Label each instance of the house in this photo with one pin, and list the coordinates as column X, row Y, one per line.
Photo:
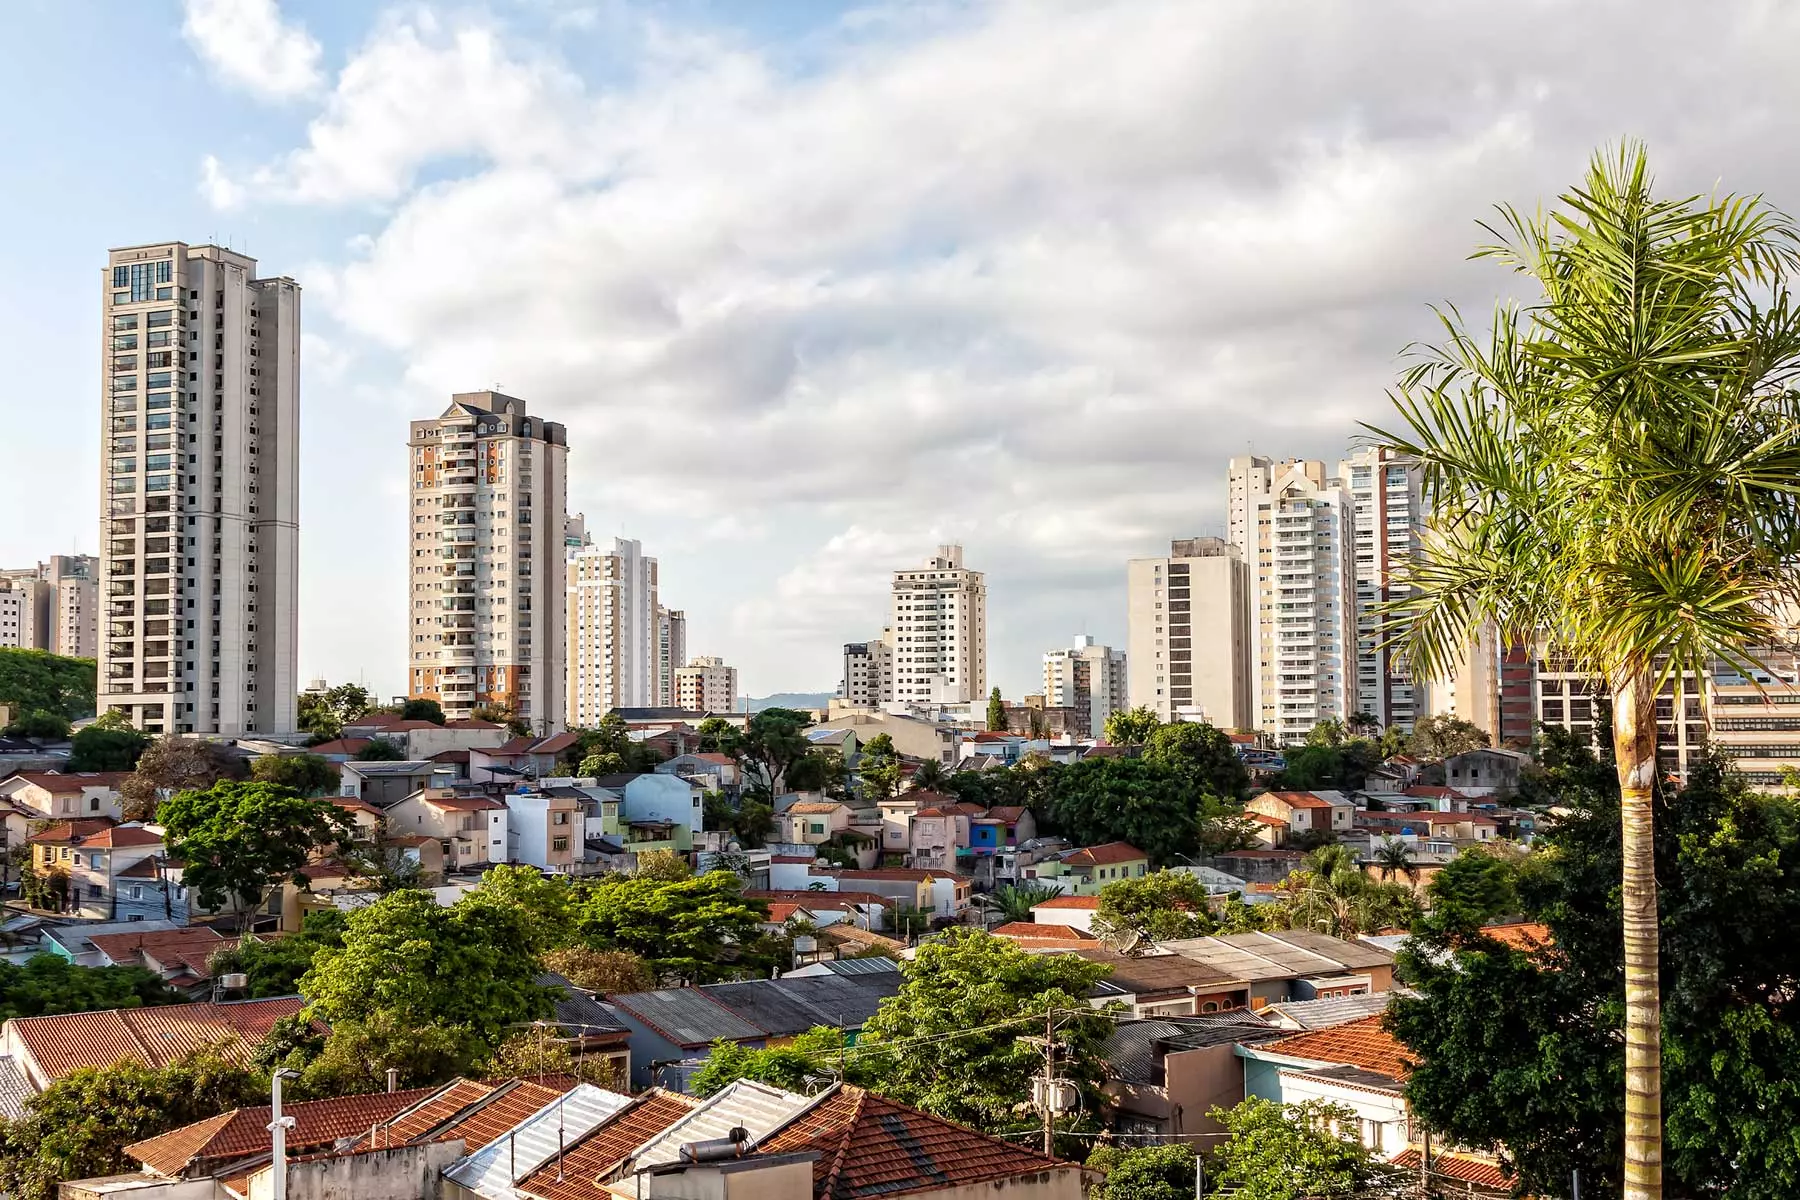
column 179, row 957
column 939, row 835
column 425, row 739
column 673, row 1026
column 1077, row 912
column 1161, row 984
column 941, row 893
column 913, row 737
column 74, row 941
column 1424, row 827
column 546, row 828
column 1291, row 965
column 111, row 872
column 720, row 770
column 998, row 833
column 812, row 823
column 385, row 784
column 1029, row 935
column 1357, row 1064
column 1323, row 812
column 52, row 794
column 48, row 1048
column 1084, row 871
column 1260, row 864
column 653, row 799
column 519, row 759
column 471, row 828
column 1165, row 1074
column 1485, row 771
column 825, row 908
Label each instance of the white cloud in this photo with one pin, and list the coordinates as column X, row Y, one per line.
column 250, row 47
column 1022, row 273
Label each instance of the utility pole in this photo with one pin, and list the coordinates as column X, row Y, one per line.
column 1049, row 1079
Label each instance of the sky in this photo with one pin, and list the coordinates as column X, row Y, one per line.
column 817, row 286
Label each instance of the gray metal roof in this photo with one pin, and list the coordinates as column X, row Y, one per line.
column 756, row 1107
column 1361, row 1076
column 1323, row 1014
column 1136, row 1049
column 579, row 1010
column 784, row 1007
column 515, row 1154
column 686, row 1016
column 862, row 966
column 1355, row 955
column 1292, row 956
column 1233, row 961
column 14, row 1091
column 848, row 1002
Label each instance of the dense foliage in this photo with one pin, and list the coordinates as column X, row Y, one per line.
column 792, row 1065
column 307, row 774
column 1303, row 1151
column 1153, row 1172
column 38, row 681
column 109, row 743
column 174, row 764
column 324, row 714
column 49, row 983
column 240, row 839
column 696, row 930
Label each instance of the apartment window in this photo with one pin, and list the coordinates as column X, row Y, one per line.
column 559, row 844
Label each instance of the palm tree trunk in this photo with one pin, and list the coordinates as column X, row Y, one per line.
column 1634, row 746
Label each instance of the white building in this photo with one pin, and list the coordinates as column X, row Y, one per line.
column 613, row 629
column 706, row 684
column 671, row 652
column 869, row 672
column 940, row 631
column 1088, row 678
column 1188, row 634
column 200, row 493
column 1389, row 527
column 486, row 615
column 57, row 603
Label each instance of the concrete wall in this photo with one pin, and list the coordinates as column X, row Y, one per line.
column 403, row 1173
column 656, row 797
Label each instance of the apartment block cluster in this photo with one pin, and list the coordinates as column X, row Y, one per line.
column 54, row 606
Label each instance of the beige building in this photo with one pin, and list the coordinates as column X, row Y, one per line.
column 706, row 684
column 486, row 610
column 1089, row 679
column 940, row 631
column 614, row 634
column 868, row 672
column 53, row 606
column 200, row 491
column 671, row 652
column 1188, row 634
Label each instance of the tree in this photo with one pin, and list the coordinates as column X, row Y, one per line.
column 717, row 736
column 422, row 708
column 930, row 776
column 1343, row 765
column 1546, row 1084
column 356, row 1055
column 307, row 774
column 274, row 967
column 996, row 712
column 240, row 839
column 696, row 930
column 545, row 906
column 1330, row 894
column 79, row 1126
column 1160, row 906
column 48, row 983
column 542, row 1051
column 1201, row 755
column 108, row 744
column 469, row 968
column 1290, row 1151
column 988, row 994
column 1164, row 1172
column 1014, row 901
column 1329, row 733
column 324, row 715
column 1442, row 736
column 1396, row 859
column 601, row 762
column 878, row 770
column 39, row 725
column 771, row 743
column 750, row 821
column 790, row 1066
column 174, row 764
column 609, row 972
column 38, row 681
column 1614, row 465
column 500, row 714
column 380, row 750
column 1125, row 799
column 1131, row 726
column 665, row 866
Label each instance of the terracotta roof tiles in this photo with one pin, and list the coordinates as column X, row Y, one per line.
column 1030, row 931
column 1109, row 854
column 595, row 1156
column 1363, row 1043
column 1303, row 800
column 1088, row 903
column 67, row 1042
column 244, row 1132
column 1458, row 1166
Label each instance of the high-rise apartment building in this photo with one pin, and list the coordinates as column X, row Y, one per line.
column 200, row 492
column 671, row 652
column 1188, row 634
column 869, row 671
column 940, row 631
column 1322, row 549
column 613, row 630
column 1089, row 679
column 57, row 603
column 706, row 685
column 489, row 486
column 1491, row 688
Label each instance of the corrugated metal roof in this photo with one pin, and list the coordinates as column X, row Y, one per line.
column 1323, row 1014
column 1232, row 961
column 756, row 1107
column 686, row 1016
column 862, row 966
column 1136, row 1049
column 1356, row 955
column 1296, row 958
column 14, row 1091
column 509, row 1158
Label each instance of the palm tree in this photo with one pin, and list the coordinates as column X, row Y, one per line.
column 1396, row 859
column 929, row 775
column 1614, row 467
column 1014, row 902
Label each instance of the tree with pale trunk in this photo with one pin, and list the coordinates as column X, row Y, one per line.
column 1613, row 466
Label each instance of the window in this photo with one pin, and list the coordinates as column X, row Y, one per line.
column 559, row 844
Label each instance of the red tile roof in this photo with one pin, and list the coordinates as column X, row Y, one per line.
column 1090, row 903
column 345, row 746
column 556, row 744
column 1010, row 813
column 59, row 783
column 449, row 1100
column 472, row 723
column 461, row 803
column 1362, row 1043
column 718, row 760
column 509, row 1108
column 1520, row 935
column 451, row 756
column 815, row 807
column 1107, row 855
column 792, row 859
column 595, row 1156
column 1031, row 931
column 354, row 804
column 244, row 1132
column 810, row 899
column 62, row 832
column 1302, row 800
column 1266, row 819
column 156, row 1037
column 894, row 874
column 1459, row 1167
column 870, row 1146
column 195, row 944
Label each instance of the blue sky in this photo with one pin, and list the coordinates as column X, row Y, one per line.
column 817, row 286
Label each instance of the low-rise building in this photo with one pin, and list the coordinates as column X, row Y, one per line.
column 546, row 828
column 1291, row 965
column 813, row 823
column 1077, row 912
column 50, row 1048
column 1087, row 869
column 182, row 958
column 470, row 827
column 1321, row 812
column 54, row 794
column 1166, row 1074
column 109, row 872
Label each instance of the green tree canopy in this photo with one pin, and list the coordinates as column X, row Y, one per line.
column 240, row 839
column 996, row 712
column 39, row 725
column 1131, row 800
column 544, row 906
column 356, row 1055
column 1160, row 906
column 696, row 930
column 1155, row 1172
column 49, row 983
column 609, row 972
column 1200, row 754
column 789, row 1066
column 79, row 1126
column 275, row 965
column 1014, row 901
column 380, row 750
column 1442, row 736
column 308, row 774
column 38, row 681
column 772, row 742
column 325, row 715
column 422, row 708
column 950, row 1043
column 1131, row 726
column 108, row 744
column 1290, row 1152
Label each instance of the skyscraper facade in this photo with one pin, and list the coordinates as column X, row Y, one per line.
column 614, row 633
column 1188, row 634
column 706, row 684
column 485, row 621
column 200, row 494
column 671, row 652
column 940, row 631
column 1089, row 679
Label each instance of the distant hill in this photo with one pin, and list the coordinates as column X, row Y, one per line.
column 788, row 700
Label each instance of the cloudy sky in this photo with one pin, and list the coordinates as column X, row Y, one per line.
column 816, row 286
